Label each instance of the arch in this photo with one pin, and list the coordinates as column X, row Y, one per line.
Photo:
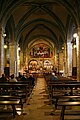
column 36, row 21
column 11, row 5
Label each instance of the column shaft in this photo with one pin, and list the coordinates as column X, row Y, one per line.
column 78, row 55
column 13, row 58
column 74, row 60
column 65, row 61
column 1, row 52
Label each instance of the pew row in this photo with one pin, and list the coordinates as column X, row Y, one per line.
column 14, row 94
column 65, row 104
column 65, row 94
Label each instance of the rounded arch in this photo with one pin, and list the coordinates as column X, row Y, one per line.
column 32, row 64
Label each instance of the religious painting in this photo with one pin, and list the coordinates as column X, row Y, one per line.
column 33, row 65
column 41, row 51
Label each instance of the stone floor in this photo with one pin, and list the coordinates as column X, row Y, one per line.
column 38, row 106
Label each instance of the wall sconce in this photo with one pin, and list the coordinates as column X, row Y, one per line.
column 5, row 46
column 4, row 35
column 74, row 46
column 62, row 48
column 19, row 48
column 75, row 35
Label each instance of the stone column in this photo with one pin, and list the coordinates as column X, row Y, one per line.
column 65, row 60
column 13, row 58
column 21, row 62
column 17, row 59
column 69, row 58
column 21, row 59
column 1, row 52
column 24, row 58
column 78, row 54
column 58, row 61
column 54, row 57
column 27, row 57
column 74, row 58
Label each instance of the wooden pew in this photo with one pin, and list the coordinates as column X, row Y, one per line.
column 7, row 87
column 67, row 103
column 73, row 92
column 59, row 77
column 64, row 97
column 13, row 103
column 63, row 90
column 64, row 87
column 61, row 81
column 12, row 98
column 13, row 94
column 64, row 81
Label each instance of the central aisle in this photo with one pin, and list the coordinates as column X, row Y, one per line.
column 38, row 107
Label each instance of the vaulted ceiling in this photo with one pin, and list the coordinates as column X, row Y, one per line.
column 52, row 20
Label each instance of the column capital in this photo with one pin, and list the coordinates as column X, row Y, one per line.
column 78, row 30
column 2, row 31
column 12, row 44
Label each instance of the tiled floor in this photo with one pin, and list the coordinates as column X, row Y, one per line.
column 38, row 108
